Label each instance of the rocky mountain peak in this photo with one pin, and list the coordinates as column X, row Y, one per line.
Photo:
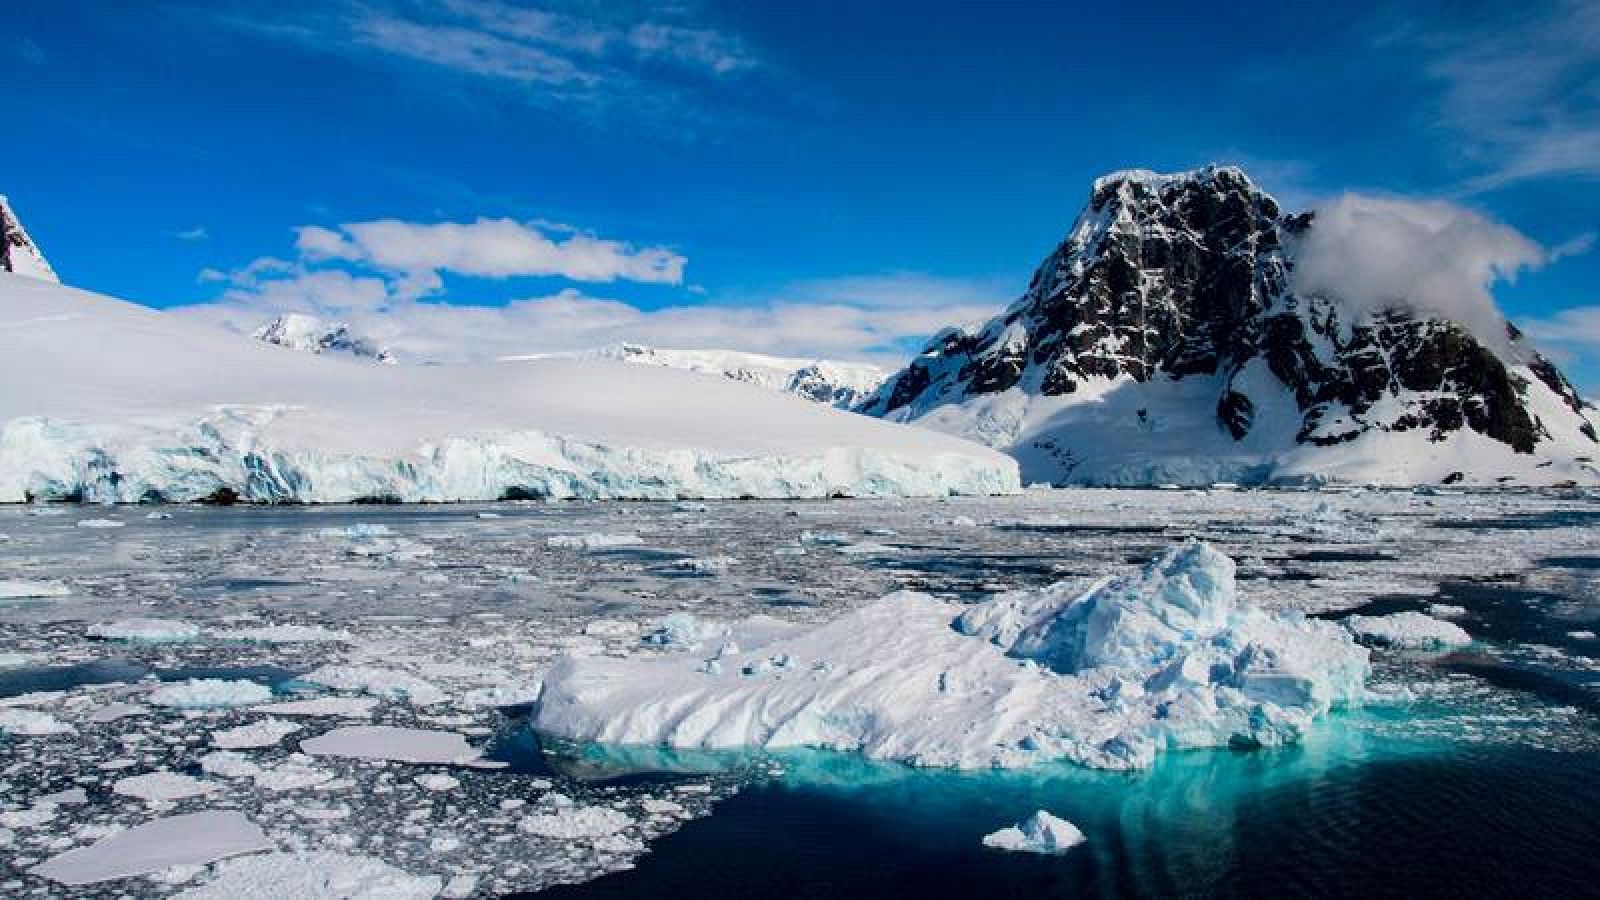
column 1187, row 278
column 18, row 253
column 310, row 334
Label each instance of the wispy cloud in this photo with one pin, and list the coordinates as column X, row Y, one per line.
column 1521, row 91
column 193, row 234
column 31, row 53
column 582, row 58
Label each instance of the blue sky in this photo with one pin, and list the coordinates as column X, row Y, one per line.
column 806, row 177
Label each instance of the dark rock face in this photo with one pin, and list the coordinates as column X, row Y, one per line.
column 1172, row 277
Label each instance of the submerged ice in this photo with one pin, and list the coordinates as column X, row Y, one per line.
column 1108, row 677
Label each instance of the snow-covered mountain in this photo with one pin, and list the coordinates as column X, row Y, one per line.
column 310, row 334
column 113, row 402
column 839, row 384
column 18, row 253
column 1164, row 341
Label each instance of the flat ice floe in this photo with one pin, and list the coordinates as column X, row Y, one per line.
column 387, row 742
column 151, row 630
column 186, row 840
column 1408, row 630
column 16, row 589
column 209, row 693
column 1107, row 677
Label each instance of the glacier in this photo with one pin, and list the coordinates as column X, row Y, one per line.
column 1106, row 677
column 127, row 404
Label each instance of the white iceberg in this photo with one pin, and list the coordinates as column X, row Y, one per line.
column 1107, row 678
column 266, row 733
column 209, row 693
column 1039, row 833
column 1408, row 630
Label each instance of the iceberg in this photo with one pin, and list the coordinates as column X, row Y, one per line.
column 1108, row 677
column 16, row 589
column 1039, row 833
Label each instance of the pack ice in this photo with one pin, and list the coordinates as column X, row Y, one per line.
column 1108, row 677
column 129, row 404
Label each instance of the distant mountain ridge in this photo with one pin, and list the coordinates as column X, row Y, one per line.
column 309, row 334
column 1163, row 341
column 837, row 384
column 18, row 253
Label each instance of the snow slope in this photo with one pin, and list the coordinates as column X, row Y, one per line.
column 105, row 400
column 840, row 384
column 18, row 253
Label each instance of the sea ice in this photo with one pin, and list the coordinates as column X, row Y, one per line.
column 152, row 631
column 209, row 693
column 1408, row 630
column 186, row 840
column 345, row 707
column 31, row 723
column 14, row 589
column 318, row 875
column 283, row 634
column 156, row 787
column 411, row 745
column 1039, row 833
column 100, row 523
column 266, row 733
column 592, row 541
column 577, row 824
column 1105, row 677
column 386, row 683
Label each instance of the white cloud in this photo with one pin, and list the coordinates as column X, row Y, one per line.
column 852, row 317
column 1429, row 257
column 496, row 248
column 193, row 234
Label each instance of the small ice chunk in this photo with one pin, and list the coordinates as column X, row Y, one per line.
column 437, row 782
column 345, row 707
column 1446, row 611
column 149, row 631
column 17, row 660
column 319, row 875
column 1039, row 833
column 157, row 787
column 592, row 541
column 705, row 565
column 266, row 733
column 32, row 723
column 577, row 824
column 114, row 711
column 16, row 589
column 283, row 634
column 209, row 693
column 1582, row 635
column 1408, row 630
column 387, row 683
column 412, row 745
column 100, row 523
column 186, row 840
